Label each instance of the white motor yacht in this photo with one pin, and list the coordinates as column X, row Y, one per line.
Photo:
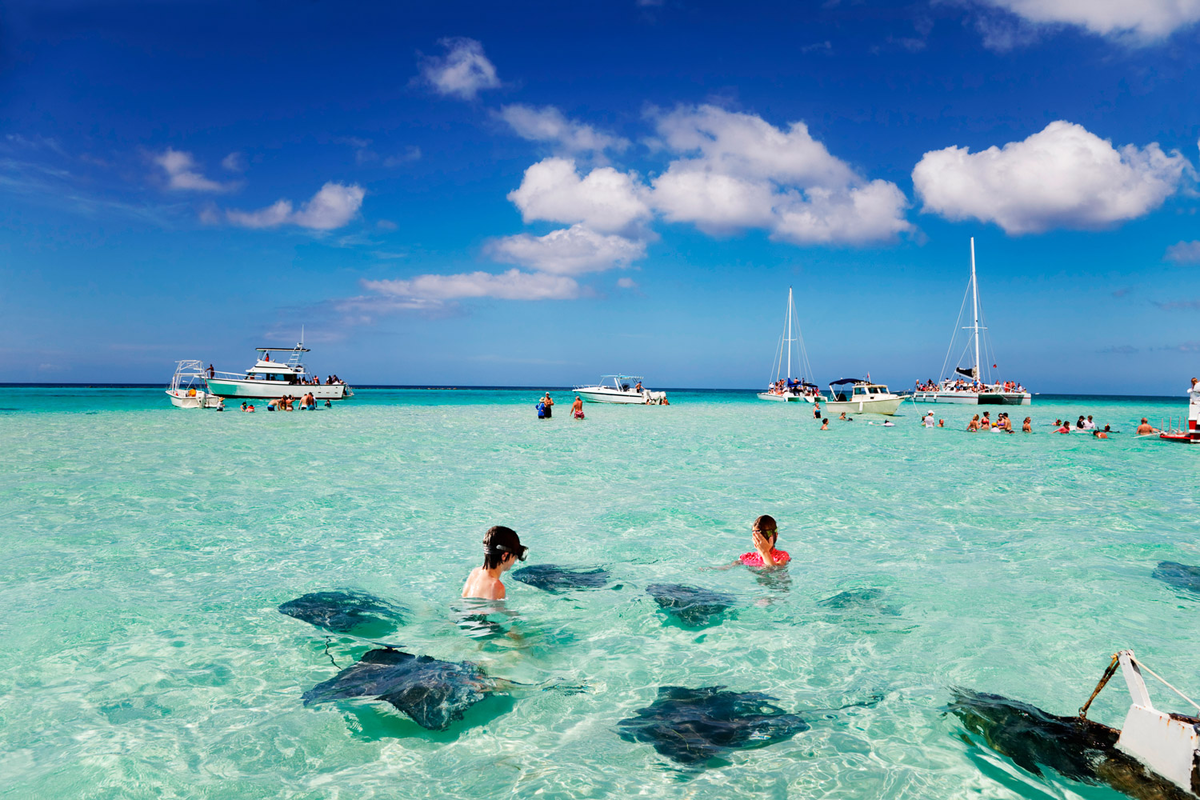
column 783, row 388
column 617, row 389
column 270, row 379
column 861, row 397
column 188, row 388
column 967, row 385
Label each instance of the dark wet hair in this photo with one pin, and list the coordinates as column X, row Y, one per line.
column 498, row 542
column 766, row 523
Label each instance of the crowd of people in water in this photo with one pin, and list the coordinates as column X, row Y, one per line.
column 502, row 549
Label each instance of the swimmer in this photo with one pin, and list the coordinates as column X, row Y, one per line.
column 577, row 408
column 1146, row 428
column 502, row 549
column 843, row 416
column 1099, row 434
column 243, row 405
column 825, row 424
column 328, row 404
column 973, row 425
column 927, row 420
column 816, row 410
column 1027, row 425
column 887, row 423
column 764, row 533
column 250, row 410
column 941, row 423
column 1064, row 427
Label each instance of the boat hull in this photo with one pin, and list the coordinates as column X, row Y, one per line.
column 601, row 395
column 884, row 406
column 975, row 398
column 779, row 398
column 273, row 390
column 197, row 400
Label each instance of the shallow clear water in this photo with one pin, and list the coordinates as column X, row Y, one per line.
column 145, row 550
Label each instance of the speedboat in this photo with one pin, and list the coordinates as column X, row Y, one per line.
column 188, row 388
column 783, row 388
column 270, row 379
column 862, row 397
column 965, row 385
column 616, row 389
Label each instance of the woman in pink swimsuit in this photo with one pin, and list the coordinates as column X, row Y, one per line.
column 765, row 533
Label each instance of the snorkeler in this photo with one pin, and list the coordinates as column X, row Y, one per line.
column 501, row 549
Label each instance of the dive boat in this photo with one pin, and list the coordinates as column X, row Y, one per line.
column 616, row 389
column 1191, row 434
column 966, row 385
column 783, row 388
column 188, row 388
column 271, row 379
column 861, row 397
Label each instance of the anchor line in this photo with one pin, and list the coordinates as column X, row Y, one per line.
column 1108, row 673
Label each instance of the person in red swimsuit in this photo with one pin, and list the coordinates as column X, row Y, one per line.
column 765, row 533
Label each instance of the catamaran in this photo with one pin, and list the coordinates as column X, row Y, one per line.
column 271, row 379
column 966, row 385
column 783, row 388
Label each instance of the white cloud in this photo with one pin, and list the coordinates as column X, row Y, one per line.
column 331, row 207
column 739, row 171
column 605, row 200
column 463, row 72
column 569, row 251
column 1184, row 253
column 511, row 285
column 549, row 125
column 1143, row 20
column 1061, row 177
column 626, row 283
column 272, row 216
column 182, row 173
column 234, row 162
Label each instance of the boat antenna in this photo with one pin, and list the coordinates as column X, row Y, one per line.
column 789, row 334
column 302, row 331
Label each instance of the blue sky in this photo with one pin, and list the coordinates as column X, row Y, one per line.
column 538, row 193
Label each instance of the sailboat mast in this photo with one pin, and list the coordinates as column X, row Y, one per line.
column 975, row 295
column 789, row 333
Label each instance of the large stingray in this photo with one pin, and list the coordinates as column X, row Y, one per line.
column 1181, row 576
column 553, row 578
column 434, row 693
column 1078, row 749
column 694, row 607
column 344, row 611
column 692, row 726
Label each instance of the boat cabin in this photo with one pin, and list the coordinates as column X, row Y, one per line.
column 854, row 389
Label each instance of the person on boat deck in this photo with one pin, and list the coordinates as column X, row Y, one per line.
column 577, row 408
column 1027, row 425
column 1146, row 428
column 211, row 371
column 764, row 533
column 266, row 356
column 502, row 549
column 549, row 405
column 825, row 424
column 638, row 388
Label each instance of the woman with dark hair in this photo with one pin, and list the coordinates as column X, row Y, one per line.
column 502, row 549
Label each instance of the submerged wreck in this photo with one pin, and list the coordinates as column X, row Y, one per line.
column 1152, row 757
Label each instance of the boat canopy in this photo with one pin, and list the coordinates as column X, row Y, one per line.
column 620, row 377
column 846, row 380
column 298, row 348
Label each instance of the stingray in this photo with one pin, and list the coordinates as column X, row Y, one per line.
column 1181, row 576
column 433, row 693
column 692, row 726
column 552, row 578
column 861, row 599
column 1077, row 749
column 344, row 611
column 694, row 607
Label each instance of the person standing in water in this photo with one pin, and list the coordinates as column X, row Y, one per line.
column 502, row 549
column 764, row 533
column 577, row 408
column 549, row 405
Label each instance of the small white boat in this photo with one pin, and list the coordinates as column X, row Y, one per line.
column 965, row 386
column 617, row 389
column 188, row 388
column 272, row 379
column 783, row 388
column 861, row 397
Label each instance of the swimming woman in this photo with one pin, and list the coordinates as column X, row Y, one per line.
column 502, row 549
column 764, row 533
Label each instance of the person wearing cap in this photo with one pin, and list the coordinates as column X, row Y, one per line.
column 549, row 405
column 502, row 549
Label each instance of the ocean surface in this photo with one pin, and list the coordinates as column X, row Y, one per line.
column 144, row 551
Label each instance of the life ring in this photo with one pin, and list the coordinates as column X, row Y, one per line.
column 191, row 392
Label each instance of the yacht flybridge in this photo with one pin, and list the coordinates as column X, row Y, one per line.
column 782, row 387
column 272, row 378
column 616, row 389
column 968, row 385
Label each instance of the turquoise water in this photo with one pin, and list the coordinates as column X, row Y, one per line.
column 145, row 550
